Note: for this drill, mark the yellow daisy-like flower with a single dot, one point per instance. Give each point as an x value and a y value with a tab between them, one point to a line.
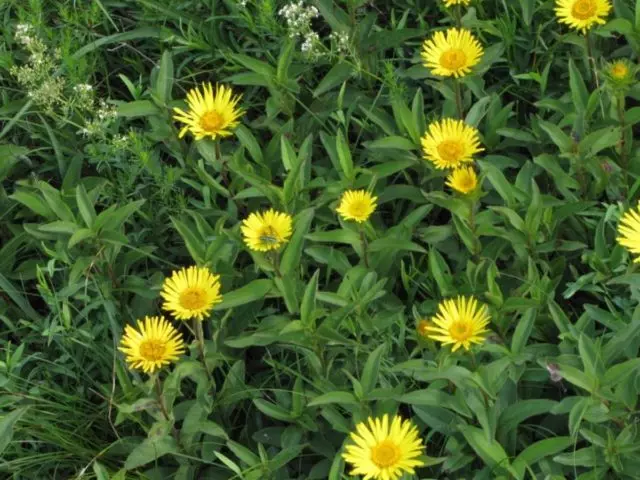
449	143
191	293
212	112
450	3
619	70
452	53
629	232
463	180
266	231
460	322
582	14
357	205
154	344
422	327
384	450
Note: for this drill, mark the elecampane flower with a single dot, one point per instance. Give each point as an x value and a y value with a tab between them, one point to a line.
422	327
357	205
451	53
384	450
152	345
266	231
460	323
191	293
629	232
463	180
449	143
213	112
450	3
582	14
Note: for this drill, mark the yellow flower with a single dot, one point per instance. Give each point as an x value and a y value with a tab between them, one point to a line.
154	344
357	205
212	113
448	143
582	14
452	53
383	451
629	232
266	231
191	293
450	3
460	323
619	70
463	180
422	327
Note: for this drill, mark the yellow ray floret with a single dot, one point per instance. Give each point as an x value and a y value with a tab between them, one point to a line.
629	232
582	14
191	293
451	53
463	180
384	450
357	205
213	112
450	3
266	231
153	345
460	323
449	143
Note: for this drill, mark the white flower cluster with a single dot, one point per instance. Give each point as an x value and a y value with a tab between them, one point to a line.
23	31
242	3
341	40
82	88
298	18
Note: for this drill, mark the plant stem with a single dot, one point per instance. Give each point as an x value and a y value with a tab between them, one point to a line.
590	60
458	91
200	339
275	261
163	408
365	245
223	164
457	15
624	158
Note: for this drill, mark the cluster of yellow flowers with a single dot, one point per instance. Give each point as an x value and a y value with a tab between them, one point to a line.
382	448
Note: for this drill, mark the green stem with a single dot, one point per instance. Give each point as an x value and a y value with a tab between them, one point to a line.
590	60
624	157
223	164
200	339
160	399
275	261
457	15
472	227
365	247
458	91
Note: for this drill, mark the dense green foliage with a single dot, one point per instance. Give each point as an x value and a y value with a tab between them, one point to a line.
100	201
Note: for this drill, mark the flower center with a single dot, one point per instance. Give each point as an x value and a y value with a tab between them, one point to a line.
385	454
460	331
152	350
466	183
453	59
358	209
269	236
584	9
211	121
450	151
193	298
619	71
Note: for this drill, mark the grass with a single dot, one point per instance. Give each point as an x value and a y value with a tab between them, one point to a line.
101	201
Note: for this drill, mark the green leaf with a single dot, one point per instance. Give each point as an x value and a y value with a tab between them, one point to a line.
523	331
371	370
579	93
7	422
391	143
85	206
291	257
272	410
149	450
138	108
339	73
251	292
561	139
490	451
255	65
164	81
343	398
308	305
538	451
344	155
